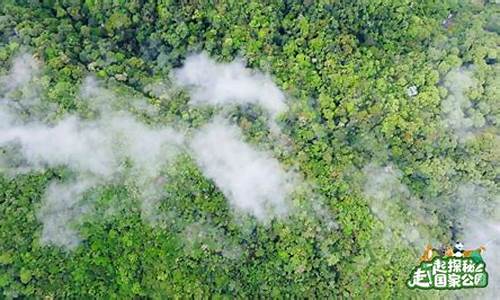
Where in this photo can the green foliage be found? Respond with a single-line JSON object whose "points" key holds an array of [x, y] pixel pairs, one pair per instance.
{"points": [[346, 66]]}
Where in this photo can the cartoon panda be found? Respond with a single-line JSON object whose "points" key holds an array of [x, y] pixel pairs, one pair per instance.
{"points": [[458, 249]]}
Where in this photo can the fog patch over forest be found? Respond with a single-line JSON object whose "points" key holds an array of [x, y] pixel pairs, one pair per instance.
{"points": [[212, 83], [392, 203], [110, 144], [96, 150], [204, 236], [252, 180], [62, 212], [168, 149], [477, 211], [473, 207], [459, 113], [24, 69]]}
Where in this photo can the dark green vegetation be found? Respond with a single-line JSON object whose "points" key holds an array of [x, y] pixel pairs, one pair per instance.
{"points": [[346, 66]]}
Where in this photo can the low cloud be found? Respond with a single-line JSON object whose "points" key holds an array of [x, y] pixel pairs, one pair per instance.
{"points": [[252, 180], [23, 82], [203, 236], [476, 210], [24, 69], [391, 202], [459, 113], [114, 144], [108, 144], [97, 151], [62, 211], [486, 232], [212, 83]]}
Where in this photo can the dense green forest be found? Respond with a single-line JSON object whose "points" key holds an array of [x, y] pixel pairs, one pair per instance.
{"points": [[157, 149]]}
